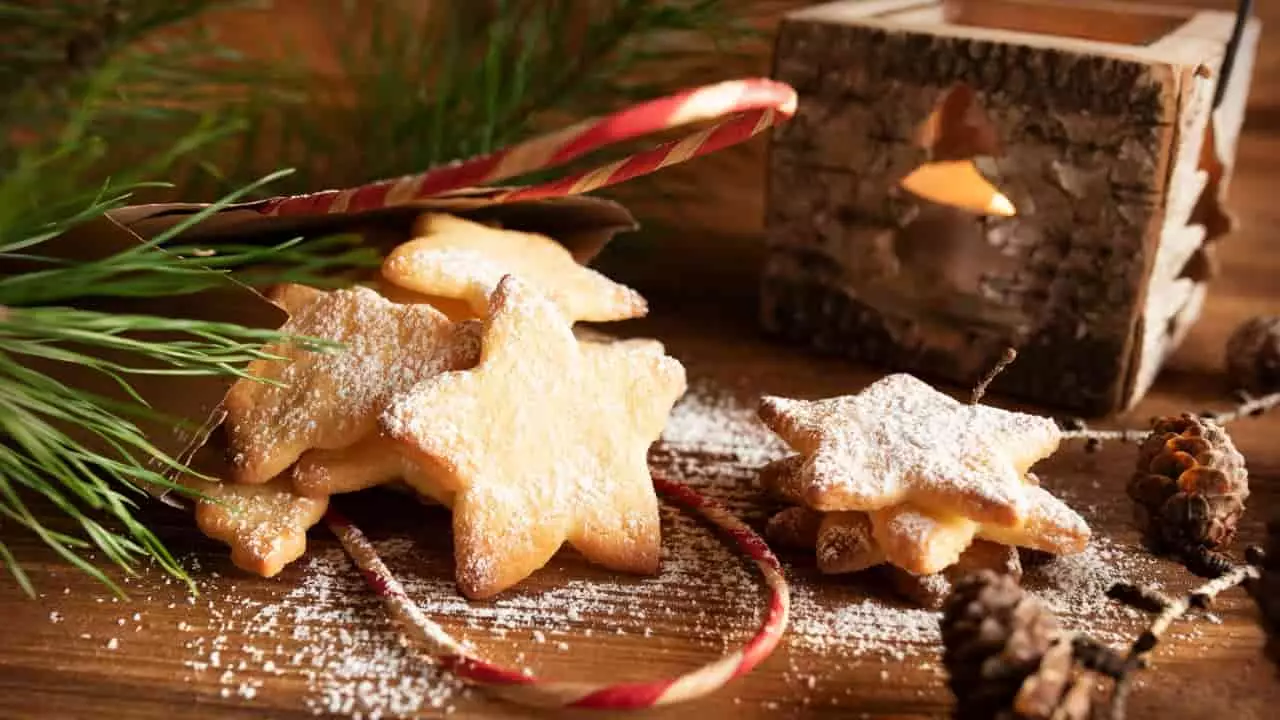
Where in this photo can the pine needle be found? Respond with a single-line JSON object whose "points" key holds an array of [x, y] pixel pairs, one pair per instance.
{"points": [[71, 456], [19, 575], [418, 88], [88, 86]]}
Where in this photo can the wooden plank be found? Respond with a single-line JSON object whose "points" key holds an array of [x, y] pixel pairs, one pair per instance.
{"points": [[1112, 22], [47, 667], [700, 273]]}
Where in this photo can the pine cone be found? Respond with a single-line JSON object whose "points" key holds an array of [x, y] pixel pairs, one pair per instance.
{"points": [[1190, 487], [1253, 355], [1005, 656], [1266, 590], [1057, 690]]}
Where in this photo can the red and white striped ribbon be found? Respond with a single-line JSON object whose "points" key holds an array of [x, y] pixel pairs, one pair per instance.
{"points": [[533, 691], [754, 104]]}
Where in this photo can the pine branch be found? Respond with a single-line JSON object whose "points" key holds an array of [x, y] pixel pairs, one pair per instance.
{"points": [[78, 76], [419, 89], [51, 187], [37, 457], [166, 70]]}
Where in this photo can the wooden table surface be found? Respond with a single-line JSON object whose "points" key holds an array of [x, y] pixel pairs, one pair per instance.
{"points": [[313, 642]]}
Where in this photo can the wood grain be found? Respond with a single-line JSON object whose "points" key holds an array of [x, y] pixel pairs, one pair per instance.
{"points": [[701, 275]]}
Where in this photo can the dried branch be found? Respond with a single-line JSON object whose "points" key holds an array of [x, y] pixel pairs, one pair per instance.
{"points": [[1248, 406], [1167, 611], [1005, 361]]}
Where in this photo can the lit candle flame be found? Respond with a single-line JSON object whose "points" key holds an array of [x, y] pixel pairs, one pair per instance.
{"points": [[958, 184]]}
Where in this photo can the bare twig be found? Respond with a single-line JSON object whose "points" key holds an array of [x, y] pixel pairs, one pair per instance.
{"points": [[1167, 611], [1005, 361], [1248, 406], [1146, 599], [1088, 433]]}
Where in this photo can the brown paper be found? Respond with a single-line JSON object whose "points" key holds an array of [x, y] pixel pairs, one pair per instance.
{"points": [[583, 224]]}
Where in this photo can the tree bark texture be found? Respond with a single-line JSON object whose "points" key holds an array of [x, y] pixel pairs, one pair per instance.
{"points": [[1099, 153]]}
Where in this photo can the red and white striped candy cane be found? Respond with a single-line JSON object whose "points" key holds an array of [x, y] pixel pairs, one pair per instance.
{"points": [[537, 692], [754, 104]]}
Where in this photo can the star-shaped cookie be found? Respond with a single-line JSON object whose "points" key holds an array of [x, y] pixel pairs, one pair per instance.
{"points": [[329, 399], [460, 259], [264, 525], [545, 441], [900, 441], [454, 308], [924, 542], [375, 460], [844, 543]]}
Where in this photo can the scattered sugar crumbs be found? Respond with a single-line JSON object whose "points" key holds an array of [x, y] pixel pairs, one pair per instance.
{"points": [[341, 643], [329, 634], [714, 442], [711, 421]]}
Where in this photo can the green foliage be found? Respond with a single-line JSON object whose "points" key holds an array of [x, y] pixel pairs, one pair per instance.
{"points": [[51, 182], [43, 324], [40, 326], [421, 88], [100, 98], [165, 71]]}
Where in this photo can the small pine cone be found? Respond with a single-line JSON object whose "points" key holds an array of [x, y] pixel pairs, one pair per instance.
{"points": [[1190, 486], [1266, 590], [995, 637], [1058, 689], [1253, 355]]}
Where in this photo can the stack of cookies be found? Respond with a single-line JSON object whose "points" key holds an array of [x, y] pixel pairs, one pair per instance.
{"points": [[905, 478], [460, 375]]}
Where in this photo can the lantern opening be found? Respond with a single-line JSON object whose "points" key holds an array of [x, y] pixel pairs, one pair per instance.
{"points": [[955, 134]]}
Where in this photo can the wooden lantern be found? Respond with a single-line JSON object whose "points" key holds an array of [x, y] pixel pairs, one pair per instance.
{"points": [[966, 176]]}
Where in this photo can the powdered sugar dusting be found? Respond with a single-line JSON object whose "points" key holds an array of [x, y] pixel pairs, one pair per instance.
{"points": [[862, 628], [714, 441], [542, 441], [901, 439], [703, 592], [1074, 587], [708, 420], [462, 259], [331, 399], [327, 633]]}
